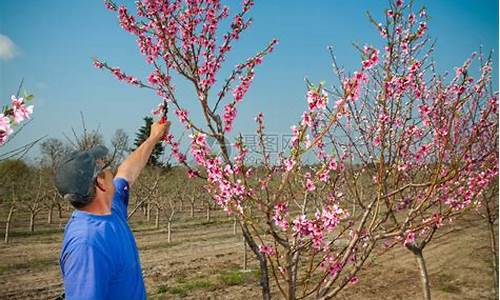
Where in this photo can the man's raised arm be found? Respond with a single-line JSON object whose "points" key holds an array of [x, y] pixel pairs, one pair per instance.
{"points": [[135, 162]]}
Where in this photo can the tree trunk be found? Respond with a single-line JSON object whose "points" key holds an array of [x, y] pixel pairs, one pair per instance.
{"points": [[494, 255], [7, 224], [208, 213], [59, 210], [264, 273], [192, 210], [234, 225], [157, 219], [424, 276], [292, 261], [32, 222], [148, 212], [49, 216], [245, 257], [169, 239]]}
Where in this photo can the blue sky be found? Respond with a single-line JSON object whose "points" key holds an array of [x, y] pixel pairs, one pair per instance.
{"points": [[55, 41]]}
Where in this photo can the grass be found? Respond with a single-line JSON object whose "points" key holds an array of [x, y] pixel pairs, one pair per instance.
{"points": [[229, 277], [449, 288], [238, 277], [183, 287]]}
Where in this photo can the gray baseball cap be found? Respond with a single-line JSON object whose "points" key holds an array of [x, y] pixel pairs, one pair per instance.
{"points": [[76, 174]]}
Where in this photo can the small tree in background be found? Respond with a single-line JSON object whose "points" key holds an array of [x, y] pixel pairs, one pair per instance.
{"points": [[120, 144], [15, 175]]}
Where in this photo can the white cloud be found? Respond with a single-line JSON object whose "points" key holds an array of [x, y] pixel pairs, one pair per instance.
{"points": [[7, 48]]}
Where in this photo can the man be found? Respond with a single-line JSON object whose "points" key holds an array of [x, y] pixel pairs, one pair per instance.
{"points": [[99, 257]]}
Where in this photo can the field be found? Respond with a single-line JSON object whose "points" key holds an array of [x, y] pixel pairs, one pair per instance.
{"points": [[205, 259]]}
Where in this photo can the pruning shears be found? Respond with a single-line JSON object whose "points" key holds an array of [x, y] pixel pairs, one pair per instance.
{"points": [[163, 118]]}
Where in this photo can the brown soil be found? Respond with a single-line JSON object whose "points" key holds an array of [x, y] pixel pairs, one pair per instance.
{"points": [[204, 262]]}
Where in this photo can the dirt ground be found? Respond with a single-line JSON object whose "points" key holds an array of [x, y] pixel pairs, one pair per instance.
{"points": [[204, 261]]}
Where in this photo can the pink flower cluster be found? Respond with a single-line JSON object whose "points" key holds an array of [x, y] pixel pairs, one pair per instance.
{"points": [[182, 114], [118, 73], [230, 113], [280, 216], [175, 151], [409, 239], [15, 114], [331, 265], [371, 55], [323, 222], [267, 250], [228, 193], [309, 185], [317, 99], [352, 86]]}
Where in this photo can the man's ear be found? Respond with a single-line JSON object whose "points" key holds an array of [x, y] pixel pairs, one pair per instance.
{"points": [[100, 183]]}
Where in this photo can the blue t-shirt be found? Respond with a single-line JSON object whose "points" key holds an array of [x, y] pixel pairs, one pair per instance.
{"points": [[99, 257]]}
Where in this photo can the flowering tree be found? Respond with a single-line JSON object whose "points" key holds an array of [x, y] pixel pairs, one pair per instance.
{"points": [[399, 150]]}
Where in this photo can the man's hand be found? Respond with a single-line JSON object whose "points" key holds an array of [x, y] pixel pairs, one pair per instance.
{"points": [[159, 129]]}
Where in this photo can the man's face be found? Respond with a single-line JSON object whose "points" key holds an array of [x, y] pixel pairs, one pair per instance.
{"points": [[105, 179]]}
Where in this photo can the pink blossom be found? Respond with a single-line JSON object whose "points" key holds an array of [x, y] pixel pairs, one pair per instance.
{"points": [[267, 250], [410, 238], [5, 129], [243, 87], [20, 110], [332, 164], [371, 55], [98, 64], [159, 109], [331, 265], [280, 216], [307, 119], [153, 78], [310, 185], [354, 280], [289, 164], [192, 173], [317, 99], [182, 114], [424, 111], [422, 27], [230, 113], [352, 85], [411, 18]]}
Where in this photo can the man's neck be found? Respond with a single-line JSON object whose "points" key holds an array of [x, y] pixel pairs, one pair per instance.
{"points": [[98, 206]]}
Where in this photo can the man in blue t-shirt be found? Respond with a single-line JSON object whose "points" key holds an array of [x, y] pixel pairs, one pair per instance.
{"points": [[99, 257]]}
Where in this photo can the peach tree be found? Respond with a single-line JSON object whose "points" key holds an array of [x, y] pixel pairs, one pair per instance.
{"points": [[398, 150]]}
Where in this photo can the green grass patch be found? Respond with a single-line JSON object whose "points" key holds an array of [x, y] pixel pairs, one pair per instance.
{"points": [[199, 284], [162, 289], [184, 286], [449, 288], [237, 277], [177, 290]]}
